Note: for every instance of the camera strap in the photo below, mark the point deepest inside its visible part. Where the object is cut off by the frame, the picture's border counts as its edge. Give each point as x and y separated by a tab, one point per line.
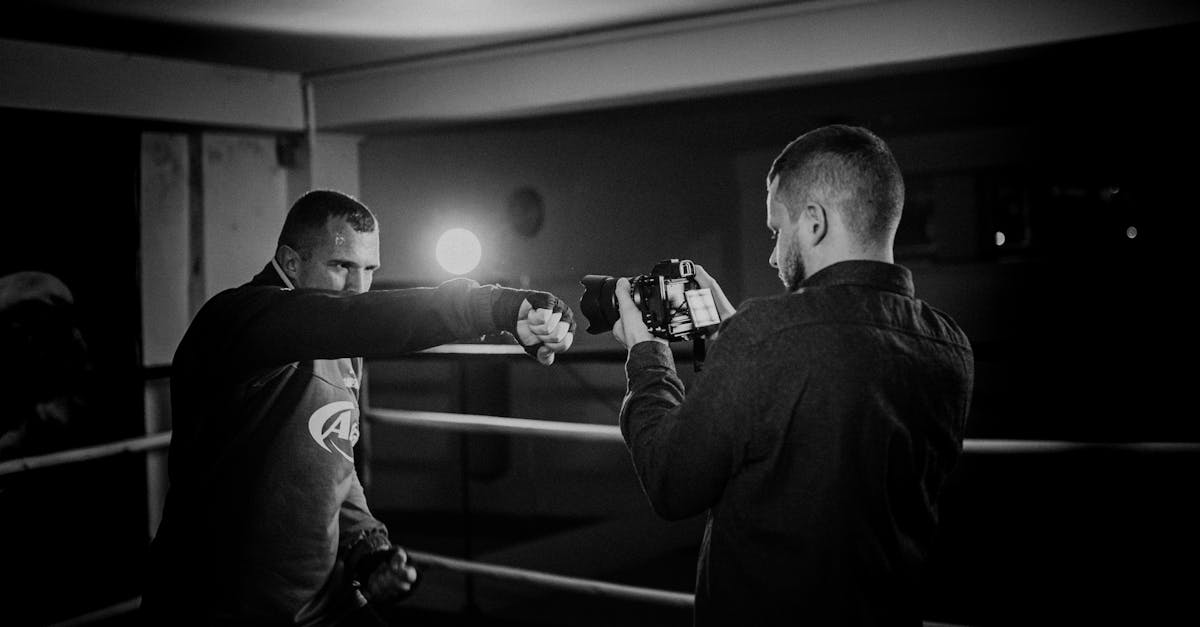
698	351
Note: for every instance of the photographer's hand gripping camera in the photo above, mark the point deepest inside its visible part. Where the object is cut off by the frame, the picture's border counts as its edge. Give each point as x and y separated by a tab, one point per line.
673	305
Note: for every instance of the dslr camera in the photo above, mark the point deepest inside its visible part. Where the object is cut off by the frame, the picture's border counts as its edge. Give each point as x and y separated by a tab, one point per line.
673	305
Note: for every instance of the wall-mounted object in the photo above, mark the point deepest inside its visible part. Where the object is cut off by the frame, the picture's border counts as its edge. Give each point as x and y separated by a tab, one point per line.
526	210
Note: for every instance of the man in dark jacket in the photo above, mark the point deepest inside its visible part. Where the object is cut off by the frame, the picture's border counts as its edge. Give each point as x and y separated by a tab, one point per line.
266	522
826	420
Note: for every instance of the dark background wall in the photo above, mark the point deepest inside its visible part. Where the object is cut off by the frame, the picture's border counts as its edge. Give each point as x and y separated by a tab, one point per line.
70	210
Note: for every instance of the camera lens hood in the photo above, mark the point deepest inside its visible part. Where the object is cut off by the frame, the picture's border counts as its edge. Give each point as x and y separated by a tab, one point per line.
599	302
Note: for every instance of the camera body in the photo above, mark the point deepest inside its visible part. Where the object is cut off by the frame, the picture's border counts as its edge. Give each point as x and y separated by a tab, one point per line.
673	305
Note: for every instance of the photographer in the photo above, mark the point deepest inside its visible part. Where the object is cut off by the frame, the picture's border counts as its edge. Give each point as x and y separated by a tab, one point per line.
827	418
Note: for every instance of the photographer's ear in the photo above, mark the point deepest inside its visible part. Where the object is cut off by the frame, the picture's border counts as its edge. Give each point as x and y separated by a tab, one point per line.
813	221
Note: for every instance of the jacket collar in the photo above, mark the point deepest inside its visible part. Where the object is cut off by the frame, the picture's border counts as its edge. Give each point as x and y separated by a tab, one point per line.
876	274
271	275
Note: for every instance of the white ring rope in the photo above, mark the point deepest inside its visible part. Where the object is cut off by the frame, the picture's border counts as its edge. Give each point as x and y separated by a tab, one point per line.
680	600
547	580
132	445
1060	446
105	613
475	423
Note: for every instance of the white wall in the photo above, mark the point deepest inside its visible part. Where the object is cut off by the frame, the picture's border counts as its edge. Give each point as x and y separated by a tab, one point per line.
165	251
245	201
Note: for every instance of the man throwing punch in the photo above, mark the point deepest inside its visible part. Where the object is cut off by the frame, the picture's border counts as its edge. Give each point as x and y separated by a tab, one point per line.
266	522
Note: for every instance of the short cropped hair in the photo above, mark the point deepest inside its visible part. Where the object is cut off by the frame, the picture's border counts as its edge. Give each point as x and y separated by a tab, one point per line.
306	220
850	165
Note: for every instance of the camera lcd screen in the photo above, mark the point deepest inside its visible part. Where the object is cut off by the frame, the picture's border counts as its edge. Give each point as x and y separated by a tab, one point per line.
703	309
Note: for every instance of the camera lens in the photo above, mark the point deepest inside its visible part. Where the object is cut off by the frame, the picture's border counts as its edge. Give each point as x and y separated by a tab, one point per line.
598	302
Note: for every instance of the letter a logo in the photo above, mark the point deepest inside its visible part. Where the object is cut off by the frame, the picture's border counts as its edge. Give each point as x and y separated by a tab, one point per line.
334	419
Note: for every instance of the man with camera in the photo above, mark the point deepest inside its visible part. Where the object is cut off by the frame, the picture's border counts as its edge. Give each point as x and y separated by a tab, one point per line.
827	418
266	522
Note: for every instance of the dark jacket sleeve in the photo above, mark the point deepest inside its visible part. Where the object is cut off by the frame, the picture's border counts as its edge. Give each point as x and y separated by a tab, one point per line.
355	521
685	450
277	326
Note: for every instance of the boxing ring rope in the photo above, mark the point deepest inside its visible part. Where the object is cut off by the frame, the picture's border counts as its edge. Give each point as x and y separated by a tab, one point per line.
87	453
474	423
679	600
1009	447
571	584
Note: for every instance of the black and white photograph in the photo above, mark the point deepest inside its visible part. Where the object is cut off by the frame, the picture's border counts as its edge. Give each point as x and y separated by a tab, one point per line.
590	313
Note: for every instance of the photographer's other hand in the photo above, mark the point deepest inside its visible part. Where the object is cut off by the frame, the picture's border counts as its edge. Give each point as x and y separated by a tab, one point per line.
550	327
630	329
724	307
392	580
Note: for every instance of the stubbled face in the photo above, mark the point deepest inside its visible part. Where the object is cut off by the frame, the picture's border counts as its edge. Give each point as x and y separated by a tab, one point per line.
786	257
344	260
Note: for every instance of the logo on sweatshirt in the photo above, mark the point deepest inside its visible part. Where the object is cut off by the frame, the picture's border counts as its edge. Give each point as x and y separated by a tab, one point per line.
334	426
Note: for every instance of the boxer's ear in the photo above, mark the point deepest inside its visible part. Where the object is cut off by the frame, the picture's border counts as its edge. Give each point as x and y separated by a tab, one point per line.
289	261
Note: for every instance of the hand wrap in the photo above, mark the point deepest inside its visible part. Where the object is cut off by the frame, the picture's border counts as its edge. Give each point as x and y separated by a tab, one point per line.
506	307
365	555
369	558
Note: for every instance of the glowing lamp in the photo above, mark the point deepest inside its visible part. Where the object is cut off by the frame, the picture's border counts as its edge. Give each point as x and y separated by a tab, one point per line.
458	251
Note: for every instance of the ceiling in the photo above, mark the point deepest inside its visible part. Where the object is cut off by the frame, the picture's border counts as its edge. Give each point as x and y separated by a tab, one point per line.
313	36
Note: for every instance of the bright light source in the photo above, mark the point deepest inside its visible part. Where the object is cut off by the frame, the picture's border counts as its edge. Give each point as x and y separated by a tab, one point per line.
458	251
999	238
1131	232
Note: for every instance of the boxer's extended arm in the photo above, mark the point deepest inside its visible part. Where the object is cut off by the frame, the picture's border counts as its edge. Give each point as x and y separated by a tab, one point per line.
266	326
